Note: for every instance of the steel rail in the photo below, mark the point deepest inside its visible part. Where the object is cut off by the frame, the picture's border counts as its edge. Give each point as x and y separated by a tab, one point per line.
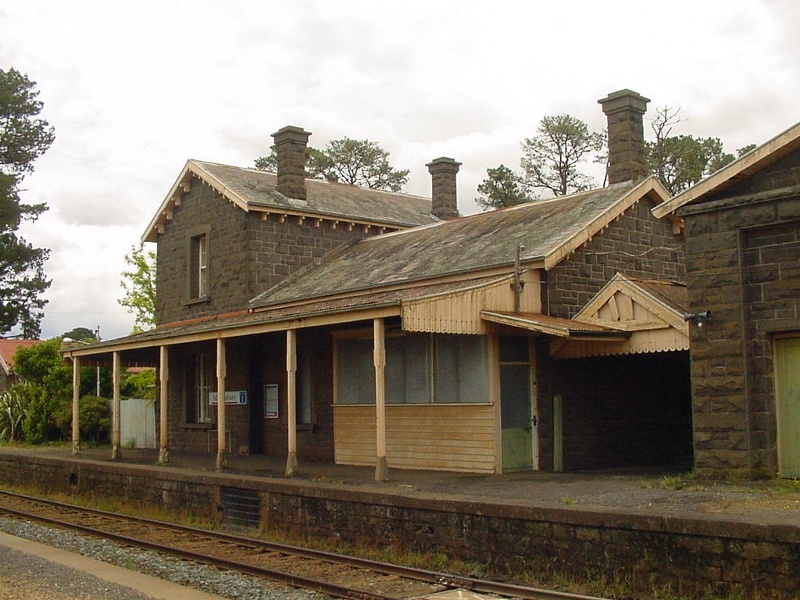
422	575
271	574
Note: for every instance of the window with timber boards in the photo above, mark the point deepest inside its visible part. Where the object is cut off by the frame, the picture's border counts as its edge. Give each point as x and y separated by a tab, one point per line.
420	369
198	265
200	380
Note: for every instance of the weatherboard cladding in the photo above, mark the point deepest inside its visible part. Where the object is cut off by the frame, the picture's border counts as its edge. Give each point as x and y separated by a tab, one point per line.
465	245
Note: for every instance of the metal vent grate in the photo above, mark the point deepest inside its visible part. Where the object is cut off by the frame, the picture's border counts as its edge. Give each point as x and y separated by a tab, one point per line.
240	508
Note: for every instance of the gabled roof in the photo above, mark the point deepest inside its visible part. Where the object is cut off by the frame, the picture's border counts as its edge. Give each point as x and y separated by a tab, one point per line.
740	169
7	350
312	313
633	304
627	316
554	326
547	230
254	190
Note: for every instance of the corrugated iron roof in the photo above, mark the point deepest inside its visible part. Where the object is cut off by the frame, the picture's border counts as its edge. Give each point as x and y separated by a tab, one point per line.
209	327
544	228
551	325
671	293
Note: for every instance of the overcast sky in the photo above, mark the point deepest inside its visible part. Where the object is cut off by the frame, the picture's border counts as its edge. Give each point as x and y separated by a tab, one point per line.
134	89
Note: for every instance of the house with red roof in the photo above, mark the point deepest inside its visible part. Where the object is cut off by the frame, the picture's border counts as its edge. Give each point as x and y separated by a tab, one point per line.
8	347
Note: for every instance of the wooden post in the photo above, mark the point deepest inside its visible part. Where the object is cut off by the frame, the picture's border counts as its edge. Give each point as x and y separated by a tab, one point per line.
558	433
379	359
163	396
493	357
116	406
291	401
221	371
76	396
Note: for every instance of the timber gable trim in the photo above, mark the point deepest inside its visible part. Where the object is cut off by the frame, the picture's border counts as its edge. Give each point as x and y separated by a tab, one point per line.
619	296
737	171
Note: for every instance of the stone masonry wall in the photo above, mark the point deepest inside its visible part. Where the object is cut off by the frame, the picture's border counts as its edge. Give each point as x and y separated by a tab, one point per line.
743	267
246	255
693	556
314	440
190	437
636	244
743	253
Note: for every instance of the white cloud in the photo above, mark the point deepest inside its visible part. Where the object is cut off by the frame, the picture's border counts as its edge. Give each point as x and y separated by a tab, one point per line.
135	89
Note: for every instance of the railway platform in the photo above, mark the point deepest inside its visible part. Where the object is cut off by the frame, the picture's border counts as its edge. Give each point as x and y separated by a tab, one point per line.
645	526
641	490
31	570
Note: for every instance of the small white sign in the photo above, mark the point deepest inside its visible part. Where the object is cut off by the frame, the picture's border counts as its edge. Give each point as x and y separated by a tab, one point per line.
236	397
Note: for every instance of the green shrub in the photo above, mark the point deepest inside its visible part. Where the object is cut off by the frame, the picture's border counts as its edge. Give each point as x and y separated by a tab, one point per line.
39	424
14	406
94	419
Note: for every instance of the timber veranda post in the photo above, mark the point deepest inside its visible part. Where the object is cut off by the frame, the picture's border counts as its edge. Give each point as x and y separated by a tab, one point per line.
221	371
291	402
116	423
379	359
76	397
163	395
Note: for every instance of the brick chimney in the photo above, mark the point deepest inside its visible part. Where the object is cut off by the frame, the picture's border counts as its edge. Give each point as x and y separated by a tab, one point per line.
444	204
626	156
290	144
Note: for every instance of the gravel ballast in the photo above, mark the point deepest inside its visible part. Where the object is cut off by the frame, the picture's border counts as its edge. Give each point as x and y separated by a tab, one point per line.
43	576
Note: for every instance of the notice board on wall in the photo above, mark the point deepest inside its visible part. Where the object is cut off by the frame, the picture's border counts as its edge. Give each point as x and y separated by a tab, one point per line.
271	401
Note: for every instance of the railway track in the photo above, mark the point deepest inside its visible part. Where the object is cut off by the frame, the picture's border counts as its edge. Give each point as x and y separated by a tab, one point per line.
333	574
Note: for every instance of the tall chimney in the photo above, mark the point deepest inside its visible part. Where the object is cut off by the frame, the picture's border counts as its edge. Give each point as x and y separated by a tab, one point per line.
290	144
627	160
444	204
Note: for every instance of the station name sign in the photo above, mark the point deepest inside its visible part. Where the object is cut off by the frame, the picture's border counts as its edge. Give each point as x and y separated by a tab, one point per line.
235	397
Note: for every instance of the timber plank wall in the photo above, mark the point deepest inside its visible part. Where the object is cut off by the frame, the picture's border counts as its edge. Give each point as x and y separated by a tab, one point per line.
693	555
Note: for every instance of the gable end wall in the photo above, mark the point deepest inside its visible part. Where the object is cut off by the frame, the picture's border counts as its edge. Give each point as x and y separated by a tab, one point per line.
246	255
635	244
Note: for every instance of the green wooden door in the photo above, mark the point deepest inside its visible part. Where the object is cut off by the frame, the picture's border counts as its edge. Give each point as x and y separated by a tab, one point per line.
515	401
517	417
787	376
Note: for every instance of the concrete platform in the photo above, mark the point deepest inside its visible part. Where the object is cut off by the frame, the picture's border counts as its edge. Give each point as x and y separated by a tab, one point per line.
148	587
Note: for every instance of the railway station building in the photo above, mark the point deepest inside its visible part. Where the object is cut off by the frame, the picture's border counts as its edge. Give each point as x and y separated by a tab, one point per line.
322	322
